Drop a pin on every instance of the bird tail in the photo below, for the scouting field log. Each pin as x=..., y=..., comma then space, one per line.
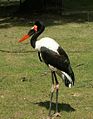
x=67, y=79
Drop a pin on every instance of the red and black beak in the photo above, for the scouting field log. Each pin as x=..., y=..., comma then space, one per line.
x=31, y=32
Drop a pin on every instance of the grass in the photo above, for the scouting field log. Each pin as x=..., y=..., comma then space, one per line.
x=25, y=82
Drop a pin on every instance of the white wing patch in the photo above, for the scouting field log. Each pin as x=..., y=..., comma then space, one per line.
x=48, y=43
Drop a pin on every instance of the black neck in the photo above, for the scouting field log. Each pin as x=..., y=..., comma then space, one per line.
x=35, y=36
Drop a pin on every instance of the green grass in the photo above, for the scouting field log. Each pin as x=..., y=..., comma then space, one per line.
x=25, y=82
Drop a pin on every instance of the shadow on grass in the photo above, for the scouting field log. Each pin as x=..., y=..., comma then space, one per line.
x=62, y=106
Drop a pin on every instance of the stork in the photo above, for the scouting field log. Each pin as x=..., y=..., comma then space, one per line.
x=53, y=55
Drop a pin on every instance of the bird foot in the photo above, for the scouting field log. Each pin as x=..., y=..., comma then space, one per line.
x=57, y=114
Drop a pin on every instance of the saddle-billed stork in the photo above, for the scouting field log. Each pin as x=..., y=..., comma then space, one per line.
x=53, y=55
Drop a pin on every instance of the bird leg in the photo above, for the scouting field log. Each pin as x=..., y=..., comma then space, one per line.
x=57, y=114
x=54, y=87
x=52, y=92
x=56, y=99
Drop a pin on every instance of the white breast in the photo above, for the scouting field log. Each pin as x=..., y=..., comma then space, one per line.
x=48, y=43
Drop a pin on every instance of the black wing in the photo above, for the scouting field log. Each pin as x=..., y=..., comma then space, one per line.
x=59, y=60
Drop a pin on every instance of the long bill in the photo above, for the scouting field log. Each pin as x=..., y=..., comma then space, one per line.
x=24, y=38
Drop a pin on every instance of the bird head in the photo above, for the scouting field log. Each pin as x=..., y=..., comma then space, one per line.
x=38, y=27
x=30, y=33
